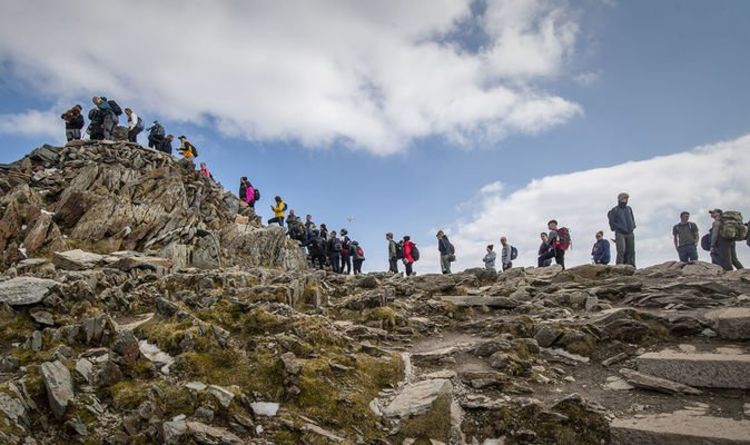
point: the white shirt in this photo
(132, 120)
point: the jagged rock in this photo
(475, 300)
(656, 384)
(126, 346)
(24, 291)
(59, 387)
(547, 335)
(173, 430)
(13, 408)
(209, 435)
(267, 409)
(76, 259)
(418, 398)
(223, 395)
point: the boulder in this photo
(24, 291)
(59, 385)
(76, 259)
(702, 370)
(731, 323)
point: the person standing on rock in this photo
(309, 226)
(205, 172)
(506, 254)
(73, 123)
(358, 255)
(156, 135)
(96, 125)
(409, 255)
(686, 236)
(334, 252)
(622, 222)
(543, 248)
(555, 247)
(135, 125)
(278, 212)
(186, 149)
(601, 252)
(724, 249)
(392, 253)
(109, 118)
(447, 252)
(489, 258)
(346, 252)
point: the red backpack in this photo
(360, 252)
(563, 239)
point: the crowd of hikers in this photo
(340, 254)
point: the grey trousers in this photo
(625, 248)
(445, 263)
(72, 134)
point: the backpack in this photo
(415, 253)
(360, 253)
(139, 124)
(195, 150)
(513, 253)
(563, 238)
(706, 242)
(256, 194)
(732, 226)
(336, 245)
(400, 251)
(285, 207)
(115, 107)
(158, 131)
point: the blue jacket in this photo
(444, 246)
(600, 252)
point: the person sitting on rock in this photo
(205, 172)
(73, 123)
(156, 134)
(554, 248)
(135, 125)
(186, 149)
(358, 257)
(600, 251)
(543, 248)
(278, 211)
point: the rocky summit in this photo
(134, 309)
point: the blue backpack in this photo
(706, 242)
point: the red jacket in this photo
(408, 246)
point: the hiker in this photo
(507, 254)
(489, 258)
(346, 252)
(165, 145)
(725, 230)
(309, 225)
(248, 194)
(156, 135)
(358, 255)
(295, 229)
(334, 252)
(278, 212)
(686, 236)
(95, 129)
(73, 123)
(110, 115)
(392, 253)
(324, 231)
(600, 252)
(315, 249)
(447, 252)
(622, 222)
(558, 241)
(543, 248)
(205, 172)
(186, 149)
(409, 255)
(135, 125)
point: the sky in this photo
(482, 118)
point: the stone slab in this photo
(76, 259)
(23, 291)
(417, 399)
(480, 300)
(731, 323)
(698, 369)
(680, 429)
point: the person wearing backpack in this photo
(447, 252)
(108, 117)
(600, 253)
(392, 253)
(346, 252)
(622, 222)
(165, 146)
(95, 129)
(278, 212)
(558, 241)
(507, 254)
(543, 248)
(409, 257)
(489, 258)
(358, 255)
(727, 228)
(186, 149)
(686, 236)
(156, 134)
(135, 125)
(334, 252)
(73, 123)
(315, 248)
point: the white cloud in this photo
(374, 75)
(33, 123)
(660, 188)
(587, 78)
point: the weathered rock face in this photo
(106, 197)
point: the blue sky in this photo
(387, 115)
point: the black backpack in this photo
(139, 124)
(706, 242)
(513, 253)
(195, 151)
(115, 107)
(415, 253)
(400, 251)
(256, 194)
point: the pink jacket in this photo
(249, 194)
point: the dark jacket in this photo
(243, 192)
(96, 117)
(600, 252)
(444, 246)
(77, 122)
(621, 219)
(165, 146)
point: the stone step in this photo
(731, 323)
(481, 300)
(680, 429)
(704, 370)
